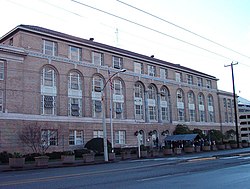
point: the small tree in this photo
(215, 135)
(35, 138)
(199, 132)
(230, 134)
(181, 129)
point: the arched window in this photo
(152, 101)
(139, 101)
(48, 91)
(97, 85)
(74, 94)
(164, 103)
(118, 99)
(191, 106)
(180, 105)
(201, 102)
(210, 104)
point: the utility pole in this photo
(235, 104)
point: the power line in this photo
(189, 31)
(151, 29)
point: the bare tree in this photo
(36, 138)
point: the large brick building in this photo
(53, 80)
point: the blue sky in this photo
(226, 22)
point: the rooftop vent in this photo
(91, 39)
(152, 56)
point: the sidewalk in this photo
(99, 159)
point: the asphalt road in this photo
(230, 172)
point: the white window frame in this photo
(74, 81)
(48, 79)
(151, 70)
(138, 67)
(118, 114)
(75, 53)
(138, 106)
(163, 73)
(46, 110)
(190, 79)
(50, 136)
(49, 47)
(120, 137)
(178, 77)
(199, 82)
(118, 90)
(76, 137)
(209, 84)
(97, 58)
(117, 62)
(1, 70)
(97, 134)
(77, 101)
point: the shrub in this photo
(16, 155)
(54, 155)
(68, 153)
(31, 157)
(4, 157)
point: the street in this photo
(172, 172)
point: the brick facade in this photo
(24, 61)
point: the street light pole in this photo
(105, 144)
(235, 104)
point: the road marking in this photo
(201, 159)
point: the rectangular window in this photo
(97, 58)
(98, 134)
(49, 48)
(199, 82)
(164, 113)
(202, 116)
(138, 112)
(75, 107)
(209, 84)
(180, 114)
(117, 62)
(1, 70)
(1, 101)
(120, 137)
(152, 113)
(190, 79)
(151, 70)
(163, 73)
(118, 110)
(75, 53)
(178, 77)
(50, 137)
(138, 68)
(191, 115)
(75, 137)
(48, 105)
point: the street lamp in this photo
(105, 145)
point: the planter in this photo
(177, 151)
(228, 146)
(214, 148)
(125, 155)
(112, 156)
(189, 149)
(221, 146)
(16, 162)
(87, 158)
(155, 153)
(244, 144)
(197, 149)
(167, 151)
(42, 161)
(233, 146)
(206, 148)
(68, 159)
(144, 154)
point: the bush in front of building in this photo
(4, 157)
